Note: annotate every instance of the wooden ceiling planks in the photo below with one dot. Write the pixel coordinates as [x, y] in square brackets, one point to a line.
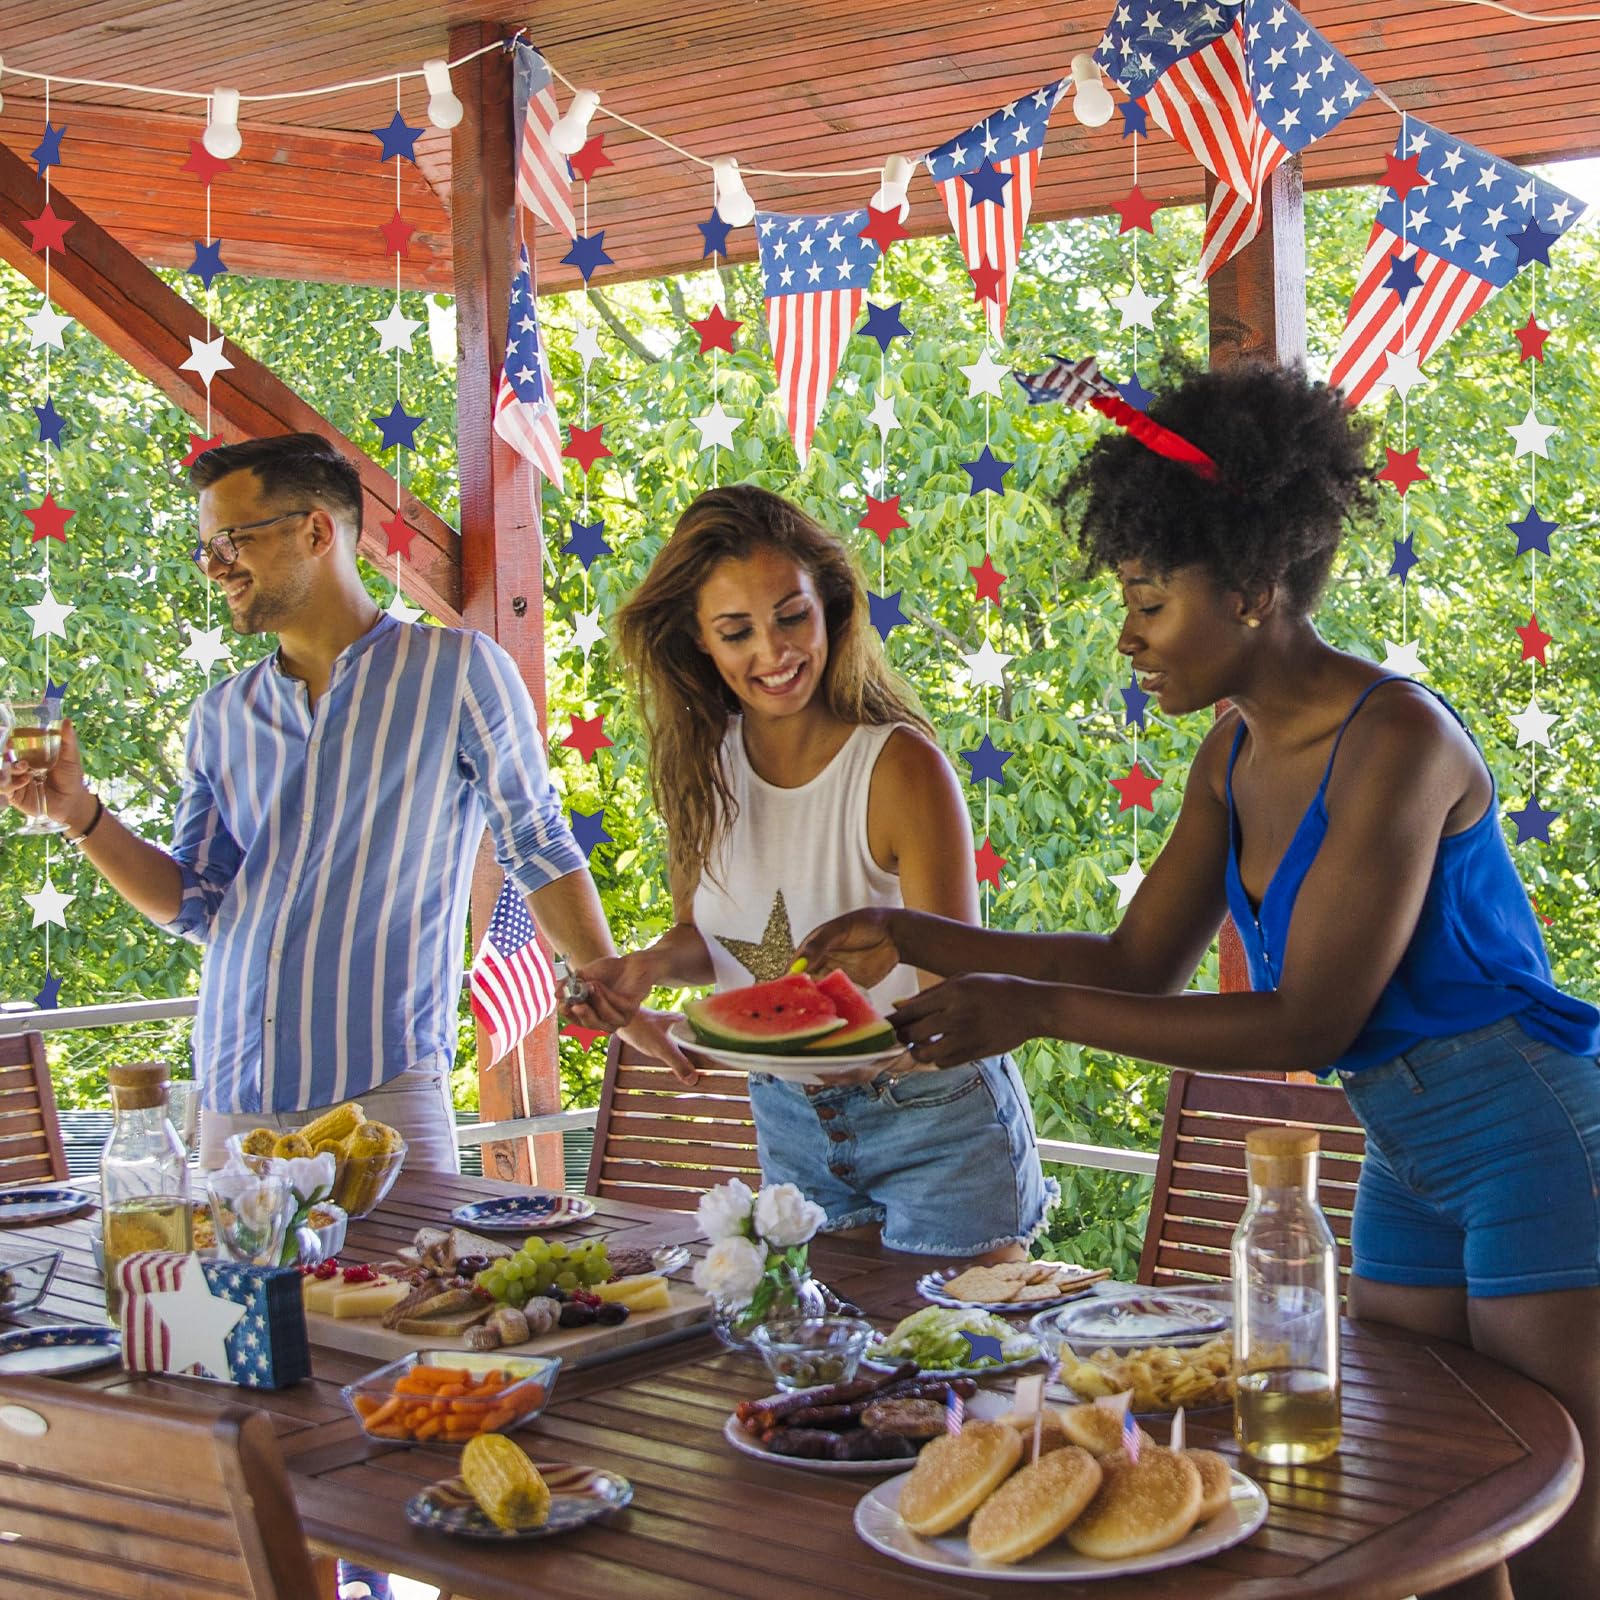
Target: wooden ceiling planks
[826, 84]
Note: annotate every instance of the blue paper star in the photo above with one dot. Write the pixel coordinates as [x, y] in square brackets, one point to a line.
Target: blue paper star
[208, 262]
[588, 542]
[1403, 276]
[987, 472]
[589, 829]
[987, 762]
[1532, 531]
[1533, 821]
[398, 427]
[715, 233]
[53, 690]
[1532, 243]
[883, 324]
[49, 422]
[981, 1345]
[398, 139]
[885, 613]
[1134, 700]
[1134, 121]
[987, 183]
[1405, 557]
[46, 997]
[48, 150]
[588, 254]
[1136, 394]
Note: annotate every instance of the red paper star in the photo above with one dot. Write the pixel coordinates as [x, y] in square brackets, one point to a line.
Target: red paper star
[396, 234]
[590, 158]
[1136, 789]
[197, 445]
[585, 1036]
[989, 861]
[49, 231]
[883, 517]
[883, 227]
[202, 163]
[1532, 337]
[584, 446]
[716, 330]
[49, 520]
[1534, 639]
[1401, 469]
[986, 279]
[988, 581]
[587, 736]
[1401, 177]
[399, 536]
[1136, 210]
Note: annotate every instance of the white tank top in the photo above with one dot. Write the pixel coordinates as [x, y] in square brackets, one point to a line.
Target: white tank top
[791, 859]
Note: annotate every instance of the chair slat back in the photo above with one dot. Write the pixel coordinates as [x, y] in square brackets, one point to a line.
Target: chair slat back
[30, 1137]
[658, 1143]
[1201, 1188]
[116, 1496]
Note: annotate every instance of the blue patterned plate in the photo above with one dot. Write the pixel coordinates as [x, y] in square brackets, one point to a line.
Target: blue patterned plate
[58, 1349]
[577, 1495]
[28, 1208]
[523, 1213]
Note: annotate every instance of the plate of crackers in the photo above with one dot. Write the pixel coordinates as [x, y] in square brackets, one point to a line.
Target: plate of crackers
[1010, 1286]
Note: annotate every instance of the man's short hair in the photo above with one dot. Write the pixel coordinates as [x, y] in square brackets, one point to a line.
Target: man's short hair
[290, 466]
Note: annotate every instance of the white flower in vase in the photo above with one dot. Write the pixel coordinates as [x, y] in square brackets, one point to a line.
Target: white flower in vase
[784, 1216]
[732, 1270]
[724, 1212]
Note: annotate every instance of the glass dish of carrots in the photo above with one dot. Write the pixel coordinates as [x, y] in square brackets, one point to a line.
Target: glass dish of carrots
[449, 1396]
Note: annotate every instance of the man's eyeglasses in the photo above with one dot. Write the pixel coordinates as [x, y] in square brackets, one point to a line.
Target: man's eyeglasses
[222, 547]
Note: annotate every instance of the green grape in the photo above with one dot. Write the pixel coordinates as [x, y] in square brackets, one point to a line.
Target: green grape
[557, 1251]
[567, 1281]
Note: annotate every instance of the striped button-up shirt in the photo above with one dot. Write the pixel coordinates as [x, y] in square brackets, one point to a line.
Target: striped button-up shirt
[327, 858]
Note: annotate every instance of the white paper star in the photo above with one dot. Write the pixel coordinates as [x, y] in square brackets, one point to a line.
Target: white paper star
[48, 904]
[984, 375]
[1128, 882]
[394, 331]
[206, 358]
[1402, 371]
[49, 614]
[198, 1322]
[400, 611]
[205, 647]
[1532, 725]
[716, 427]
[587, 629]
[45, 326]
[1531, 435]
[882, 416]
[1136, 306]
[1403, 658]
[587, 343]
[985, 665]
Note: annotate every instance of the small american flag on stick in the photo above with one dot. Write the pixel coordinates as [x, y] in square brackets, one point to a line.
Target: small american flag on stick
[544, 180]
[525, 404]
[511, 983]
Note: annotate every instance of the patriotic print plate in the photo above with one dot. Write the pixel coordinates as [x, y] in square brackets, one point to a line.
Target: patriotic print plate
[577, 1495]
[523, 1213]
[58, 1349]
[27, 1208]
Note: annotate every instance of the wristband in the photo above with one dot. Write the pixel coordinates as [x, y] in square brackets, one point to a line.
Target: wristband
[94, 821]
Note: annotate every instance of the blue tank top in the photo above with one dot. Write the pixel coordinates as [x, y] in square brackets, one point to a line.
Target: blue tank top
[1475, 957]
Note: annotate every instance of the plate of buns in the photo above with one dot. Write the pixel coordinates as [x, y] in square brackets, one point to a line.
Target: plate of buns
[1009, 1287]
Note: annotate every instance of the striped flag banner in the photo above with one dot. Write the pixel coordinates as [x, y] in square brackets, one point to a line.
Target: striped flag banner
[1241, 89]
[1435, 257]
[511, 984]
[544, 180]
[989, 230]
[814, 272]
[525, 403]
[955, 1411]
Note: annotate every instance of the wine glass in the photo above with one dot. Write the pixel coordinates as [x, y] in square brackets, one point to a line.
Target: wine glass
[36, 742]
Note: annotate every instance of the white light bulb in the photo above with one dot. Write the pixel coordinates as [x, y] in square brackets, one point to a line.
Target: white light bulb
[221, 137]
[571, 132]
[891, 193]
[444, 109]
[733, 202]
[1091, 104]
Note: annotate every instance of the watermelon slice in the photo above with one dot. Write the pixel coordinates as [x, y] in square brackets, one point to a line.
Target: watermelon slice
[774, 1018]
[864, 1031]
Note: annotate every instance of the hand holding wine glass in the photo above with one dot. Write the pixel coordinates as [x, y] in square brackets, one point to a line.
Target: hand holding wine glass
[43, 777]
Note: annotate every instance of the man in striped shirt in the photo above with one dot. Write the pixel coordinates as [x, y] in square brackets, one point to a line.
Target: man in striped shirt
[333, 800]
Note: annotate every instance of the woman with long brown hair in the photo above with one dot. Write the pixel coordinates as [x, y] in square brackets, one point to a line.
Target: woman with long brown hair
[798, 778]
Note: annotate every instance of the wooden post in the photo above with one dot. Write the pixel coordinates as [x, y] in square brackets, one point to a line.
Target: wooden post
[501, 584]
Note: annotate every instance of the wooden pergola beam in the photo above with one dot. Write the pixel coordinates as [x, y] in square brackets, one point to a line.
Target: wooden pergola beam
[133, 313]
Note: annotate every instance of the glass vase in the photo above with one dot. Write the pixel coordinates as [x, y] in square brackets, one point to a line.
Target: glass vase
[795, 1293]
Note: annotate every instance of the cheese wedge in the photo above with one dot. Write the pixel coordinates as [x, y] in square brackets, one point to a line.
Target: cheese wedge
[319, 1293]
[369, 1299]
[648, 1292]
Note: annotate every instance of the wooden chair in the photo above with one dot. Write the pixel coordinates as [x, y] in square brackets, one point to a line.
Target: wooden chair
[658, 1143]
[1200, 1186]
[109, 1495]
[30, 1138]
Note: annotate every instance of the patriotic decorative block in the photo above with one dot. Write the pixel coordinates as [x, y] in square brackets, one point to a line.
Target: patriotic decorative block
[222, 1320]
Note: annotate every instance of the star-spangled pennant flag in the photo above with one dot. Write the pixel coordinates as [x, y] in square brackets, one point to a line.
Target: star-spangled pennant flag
[1011, 140]
[1241, 89]
[814, 272]
[511, 984]
[525, 403]
[544, 180]
[1453, 243]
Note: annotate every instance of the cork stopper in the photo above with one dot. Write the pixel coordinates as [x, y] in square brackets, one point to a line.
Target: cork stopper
[138, 1085]
[1278, 1157]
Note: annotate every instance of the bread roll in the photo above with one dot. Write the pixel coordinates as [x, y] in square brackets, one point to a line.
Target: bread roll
[1097, 1429]
[955, 1474]
[1216, 1483]
[1034, 1506]
[1141, 1506]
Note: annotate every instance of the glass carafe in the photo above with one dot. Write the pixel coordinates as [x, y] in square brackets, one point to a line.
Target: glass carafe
[1285, 1305]
[144, 1175]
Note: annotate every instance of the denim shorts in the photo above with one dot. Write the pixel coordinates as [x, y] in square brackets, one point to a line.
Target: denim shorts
[1482, 1165]
[947, 1161]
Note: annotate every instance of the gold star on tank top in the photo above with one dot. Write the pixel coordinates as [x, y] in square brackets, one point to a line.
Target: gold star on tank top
[774, 955]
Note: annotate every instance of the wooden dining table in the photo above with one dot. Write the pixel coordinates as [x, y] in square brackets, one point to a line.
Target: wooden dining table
[1449, 1462]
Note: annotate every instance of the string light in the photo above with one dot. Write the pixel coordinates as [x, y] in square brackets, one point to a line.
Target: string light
[222, 138]
[891, 195]
[444, 109]
[1092, 104]
[571, 132]
[734, 204]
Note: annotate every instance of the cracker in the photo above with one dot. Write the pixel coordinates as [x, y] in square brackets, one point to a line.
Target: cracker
[981, 1283]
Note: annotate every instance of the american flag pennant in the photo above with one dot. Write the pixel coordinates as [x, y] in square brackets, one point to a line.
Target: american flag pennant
[544, 180]
[1241, 89]
[1011, 141]
[1130, 1436]
[955, 1411]
[1434, 257]
[511, 984]
[814, 272]
[525, 403]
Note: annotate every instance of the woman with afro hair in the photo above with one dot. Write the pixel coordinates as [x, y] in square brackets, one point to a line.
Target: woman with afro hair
[1346, 819]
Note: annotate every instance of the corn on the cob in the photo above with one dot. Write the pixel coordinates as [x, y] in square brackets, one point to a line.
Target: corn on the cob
[504, 1482]
[258, 1142]
[292, 1145]
[339, 1123]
